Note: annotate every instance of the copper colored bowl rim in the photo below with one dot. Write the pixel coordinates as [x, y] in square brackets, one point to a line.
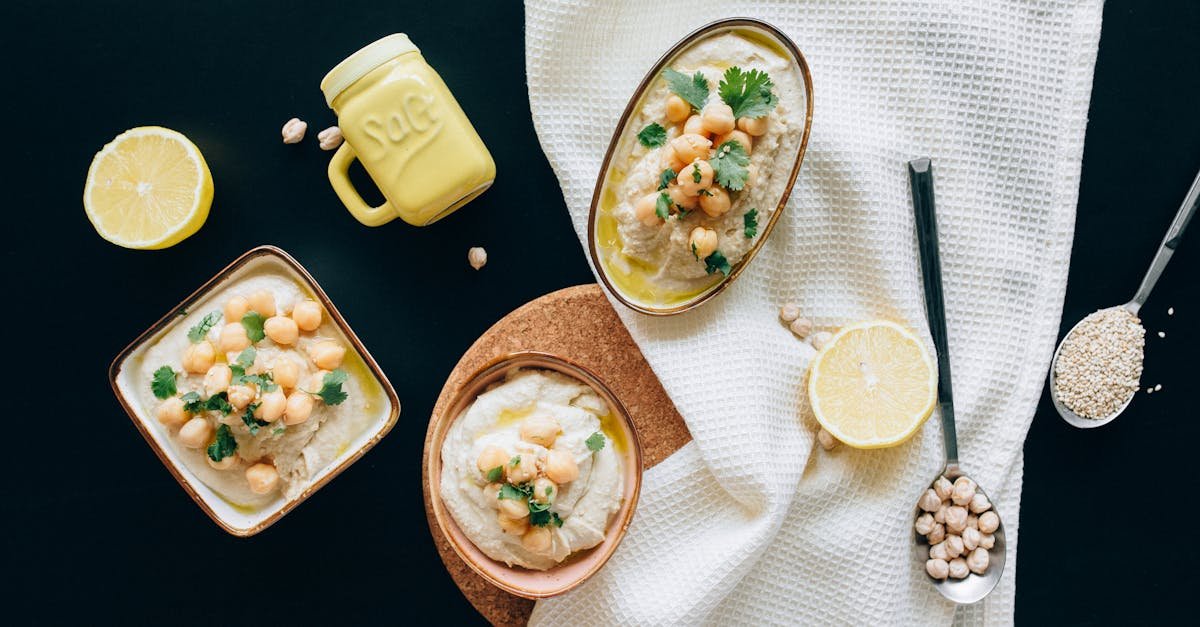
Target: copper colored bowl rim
[466, 393]
[802, 64]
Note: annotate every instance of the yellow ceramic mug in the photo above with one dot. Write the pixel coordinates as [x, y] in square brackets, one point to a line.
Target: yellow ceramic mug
[405, 127]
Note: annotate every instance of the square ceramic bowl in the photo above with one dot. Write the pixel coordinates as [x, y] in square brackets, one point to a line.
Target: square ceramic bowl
[125, 380]
[534, 584]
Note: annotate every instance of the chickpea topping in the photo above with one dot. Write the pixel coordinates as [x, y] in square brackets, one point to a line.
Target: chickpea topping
[235, 308]
[298, 408]
[512, 526]
[262, 477]
[677, 109]
[756, 127]
[240, 396]
[736, 136]
[307, 315]
[978, 560]
[690, 146]
[217, 379]
[281, 330]
[958, 568]
[262, 301]
[491, 457]
[938, 569]
[170, 413]
[694, 126]
[943, 488]
[514, 508]
[327, 355]
[233, 338]
[524, 470]
[687, 178]
[929, 501]
[537, 539]
[645, 210]
[716, 202]
[702, 242]
[199, 357]
[561, 467]
[226, 462]
[491, 495]
[286, 372]
[540, 430]
[195, 433]
[544, 490]
[989, 522]
[717, 118]
[317, 380]
[681, 199]
[272, 406]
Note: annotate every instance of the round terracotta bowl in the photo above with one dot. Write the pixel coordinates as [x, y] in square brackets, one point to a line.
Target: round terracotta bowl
[533, 584]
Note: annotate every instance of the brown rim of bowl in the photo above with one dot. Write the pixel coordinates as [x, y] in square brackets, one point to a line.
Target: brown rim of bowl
[733, 23]
[466, 393]
[334, 314]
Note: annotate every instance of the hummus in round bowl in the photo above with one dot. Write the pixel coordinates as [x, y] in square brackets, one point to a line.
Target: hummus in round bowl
[701, 166]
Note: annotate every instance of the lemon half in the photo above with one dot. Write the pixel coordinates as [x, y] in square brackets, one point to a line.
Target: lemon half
[873, 385]
[149, 188]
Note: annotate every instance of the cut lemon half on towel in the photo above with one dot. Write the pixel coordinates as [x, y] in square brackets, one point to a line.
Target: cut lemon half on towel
[873, 385]
[149, 188]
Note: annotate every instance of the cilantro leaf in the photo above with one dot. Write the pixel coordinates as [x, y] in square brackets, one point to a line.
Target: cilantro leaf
[662, 208]
[544, 518]
[653, 136]
[694, 253]
[693, 89]
[514, 461]
[263, 380]
[253, 321]
[747, 93]
[666, 177]
[511, 492]
[494, 475]
[595, 441]
[750, 223]
[729, 166]
[245, 359]
[251, 422]
[331, 387]
[191, 402]
[224, 446]
[216, 402]
[715, 262]
[278, 430]
[163, 383]
[197, 333]
[535, 507]
[696, 175]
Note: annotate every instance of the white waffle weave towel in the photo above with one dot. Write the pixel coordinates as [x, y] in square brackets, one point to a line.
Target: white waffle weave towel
[753, 522]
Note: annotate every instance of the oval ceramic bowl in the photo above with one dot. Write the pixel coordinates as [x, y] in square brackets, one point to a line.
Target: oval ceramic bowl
[533, 584]
[679, 303]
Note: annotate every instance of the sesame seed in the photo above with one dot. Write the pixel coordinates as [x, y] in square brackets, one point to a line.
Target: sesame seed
[1100, 363]
[1170, 311]
[1157, 387]
[1162, 334]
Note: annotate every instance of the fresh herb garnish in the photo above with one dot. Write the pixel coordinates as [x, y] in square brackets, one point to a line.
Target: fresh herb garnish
[253, 423]
[696, 176]
[514, 461]
[750, 223]
[595, 441]
[747, 93]
[693, 89]
[224, 446]
[715, 262]
[535, 507]
[545, 517]
[278, 430]
[216, 402]
[253, 321]
[245, 359]
[549, 490]
[662, 207]
[163, 383]
[729, 165]
[653, 136]
[197, 333]
[496, 474]
[694, 254]
[666, 177]
[331, 387]
[511, 492]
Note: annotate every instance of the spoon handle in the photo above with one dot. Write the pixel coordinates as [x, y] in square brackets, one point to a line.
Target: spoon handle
[1169, 244]
[920, 175]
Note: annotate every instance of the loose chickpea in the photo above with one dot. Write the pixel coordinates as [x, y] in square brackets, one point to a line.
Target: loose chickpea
[938, 551]
[694, 126]
[978, 560]
[929, 501]
[970, 538]
[938, 534]
[989, 522]
[544, 490]
[694, 177]
[286, 372]
[540, 430]
[299, 407]
[690, 146]
[512, 526]
[282, 331]
[717, 118]
[753, 126]
[801, 327]
[217, 379]
[943, 488]
[240, 396]
[262, 477]
[233, 338]
[716, 202]
[681, 199]
[789, 312]
[272, 406]
[307, 315]
[938, 569]
[954, 546]
[327, 355]
[199, 357]
[702, 242]
[537, 539]
[735, 136]
[958, 568]
[491, 457]
[235, 308]
[262, 301]
[677, 109]
[956, 519]
[987, 540]
[195, 433]
[940, 514]
[525, 468]
[170, 413]
[561, 467]
[491, 495]
[226, 462]
[924, 524]
[979, 503]
[645, 210]
[964, 491]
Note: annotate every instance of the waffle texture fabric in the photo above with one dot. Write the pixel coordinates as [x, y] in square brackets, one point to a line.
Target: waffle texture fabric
[753, 522]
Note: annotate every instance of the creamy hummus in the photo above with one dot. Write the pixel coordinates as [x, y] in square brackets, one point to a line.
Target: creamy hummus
[500, 419]
[296, 451]
[656, 262]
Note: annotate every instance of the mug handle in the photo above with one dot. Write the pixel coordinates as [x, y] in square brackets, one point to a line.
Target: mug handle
[339, 168]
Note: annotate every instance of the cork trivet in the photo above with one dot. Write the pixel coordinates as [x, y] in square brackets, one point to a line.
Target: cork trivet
[577, 323]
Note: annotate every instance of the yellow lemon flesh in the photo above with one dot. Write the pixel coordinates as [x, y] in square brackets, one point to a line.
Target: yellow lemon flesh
[149, 188]
[873, 385]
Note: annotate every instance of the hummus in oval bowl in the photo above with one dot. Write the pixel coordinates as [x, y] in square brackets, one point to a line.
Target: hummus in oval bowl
[530, 469]
[700, 168]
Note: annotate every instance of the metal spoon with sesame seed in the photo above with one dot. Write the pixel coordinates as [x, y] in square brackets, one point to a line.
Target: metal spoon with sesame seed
[974, 587]
[1170, 242]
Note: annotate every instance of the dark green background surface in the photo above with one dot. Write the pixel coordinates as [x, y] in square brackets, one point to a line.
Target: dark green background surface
[96, 529]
